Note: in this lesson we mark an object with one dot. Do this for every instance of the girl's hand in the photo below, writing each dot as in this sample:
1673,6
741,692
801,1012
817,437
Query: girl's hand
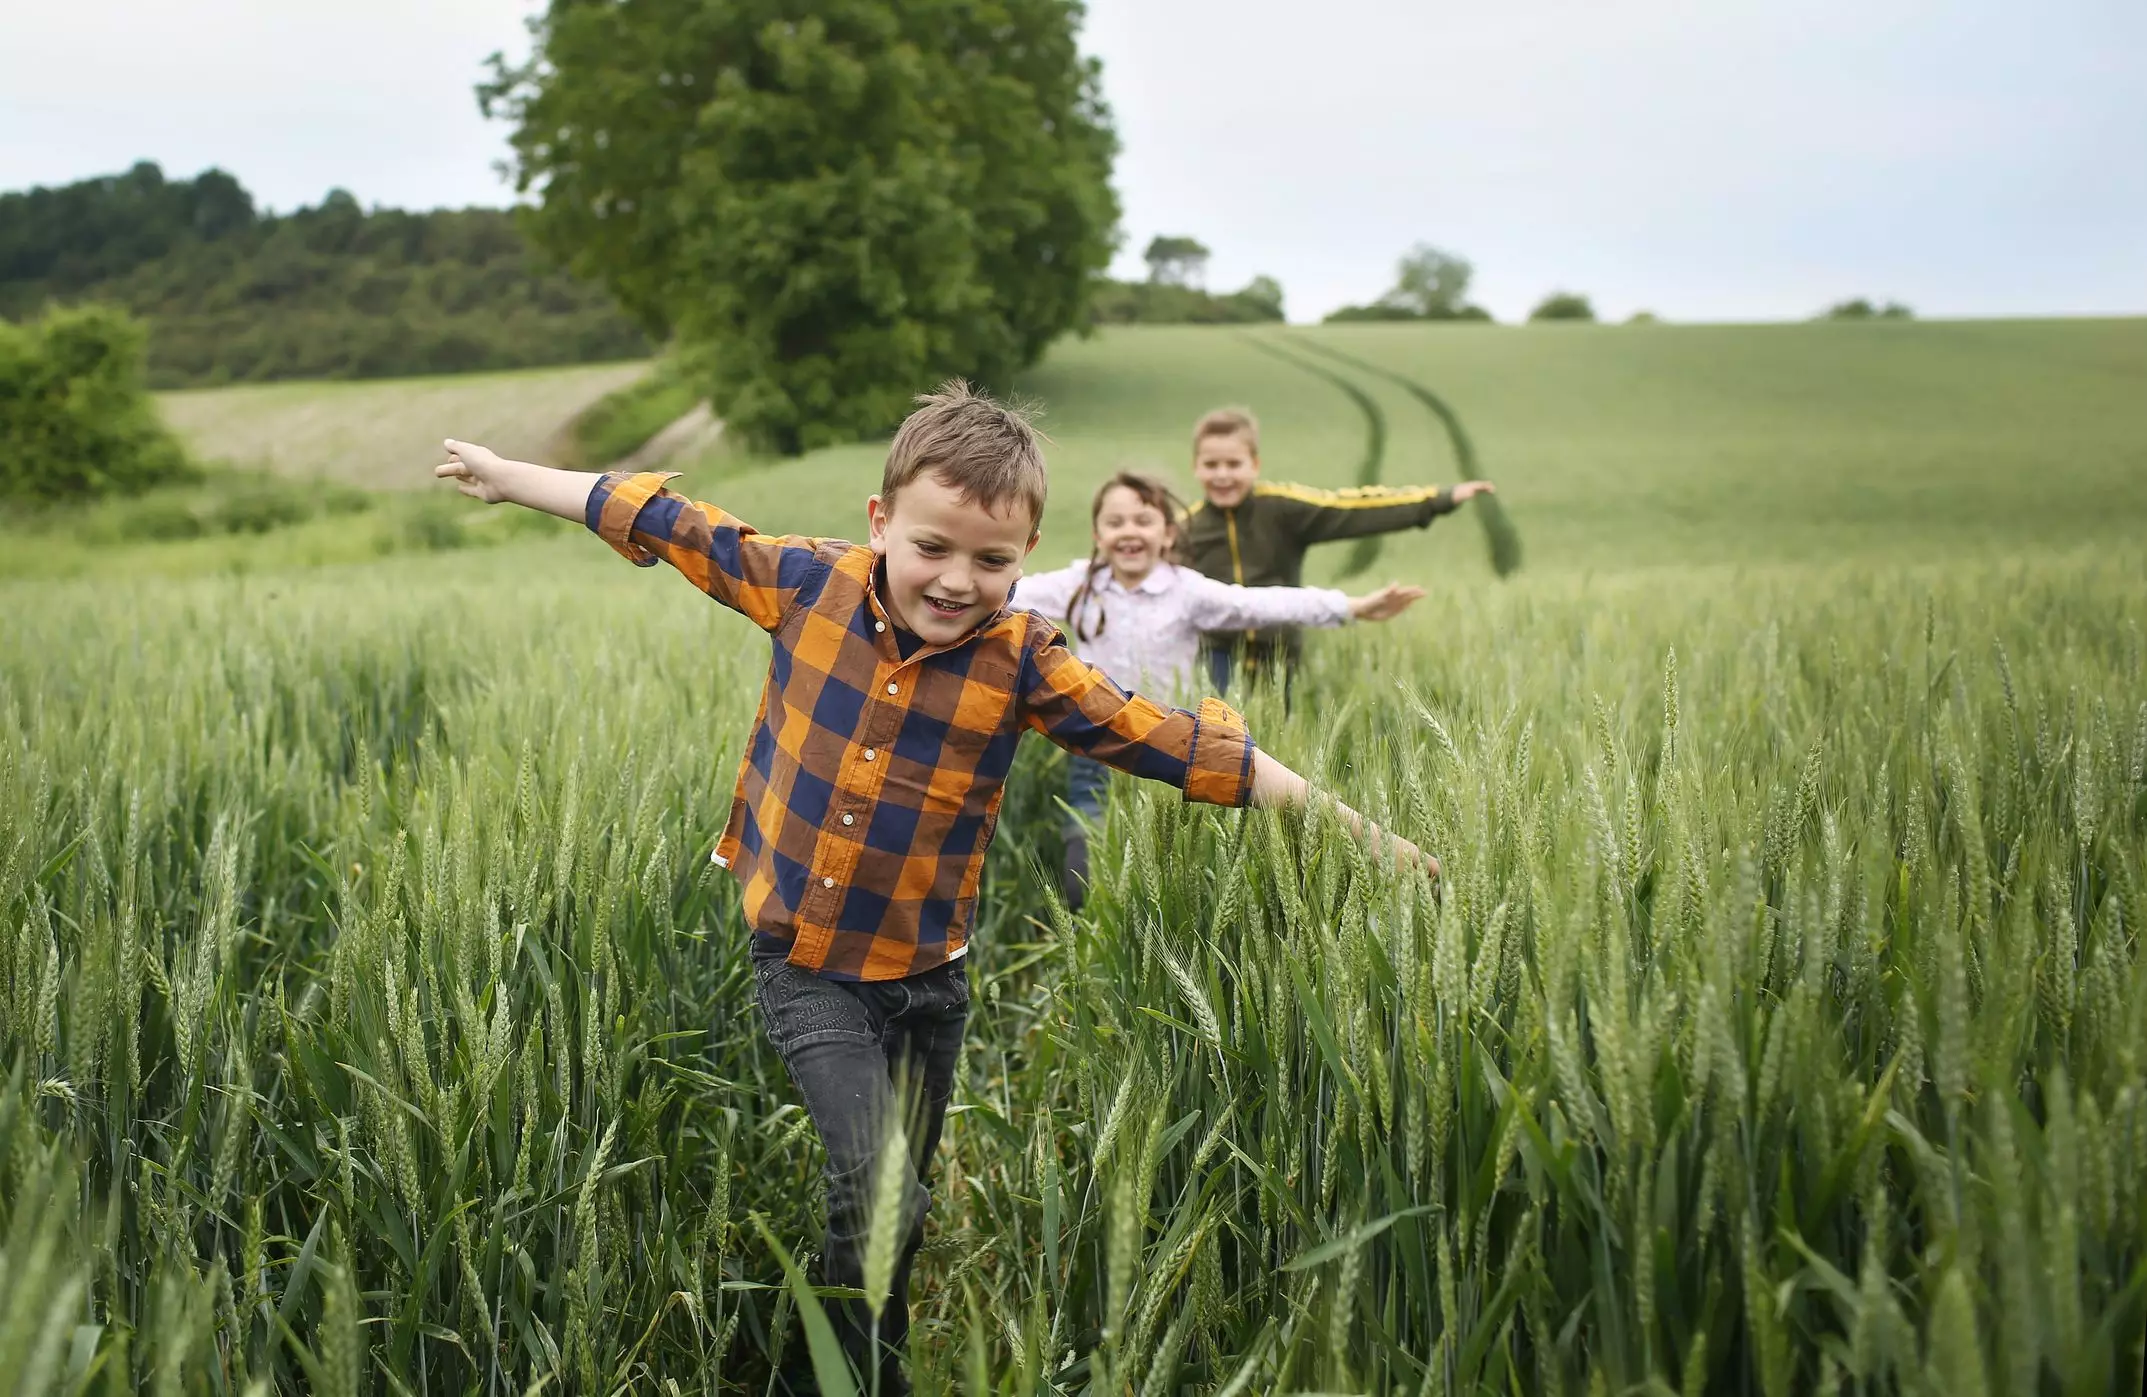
1469,489
478,471
1389,601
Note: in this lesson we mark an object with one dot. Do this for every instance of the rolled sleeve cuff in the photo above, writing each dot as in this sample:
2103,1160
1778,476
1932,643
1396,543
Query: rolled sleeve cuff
615,503
1218,769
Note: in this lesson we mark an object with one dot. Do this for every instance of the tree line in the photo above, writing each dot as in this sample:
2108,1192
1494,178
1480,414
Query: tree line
231,293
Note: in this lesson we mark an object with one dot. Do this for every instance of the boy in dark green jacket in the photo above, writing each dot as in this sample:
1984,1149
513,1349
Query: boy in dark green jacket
1255,533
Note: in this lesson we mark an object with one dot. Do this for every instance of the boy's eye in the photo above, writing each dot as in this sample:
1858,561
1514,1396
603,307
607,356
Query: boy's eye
931,550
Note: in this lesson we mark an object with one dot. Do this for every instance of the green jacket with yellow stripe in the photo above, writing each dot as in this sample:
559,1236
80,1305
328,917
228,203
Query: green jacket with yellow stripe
1261,541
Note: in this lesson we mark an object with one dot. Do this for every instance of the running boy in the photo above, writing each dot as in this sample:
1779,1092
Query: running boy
1255,533
1138,616
899,687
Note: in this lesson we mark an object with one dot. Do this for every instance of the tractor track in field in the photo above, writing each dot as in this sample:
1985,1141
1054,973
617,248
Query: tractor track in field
1499,534
1365,551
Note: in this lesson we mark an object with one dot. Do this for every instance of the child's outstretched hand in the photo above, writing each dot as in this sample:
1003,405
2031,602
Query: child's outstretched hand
1389,601
478,471
1469,489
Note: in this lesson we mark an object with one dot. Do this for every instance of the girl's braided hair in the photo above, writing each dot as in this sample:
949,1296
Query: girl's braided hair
1151,492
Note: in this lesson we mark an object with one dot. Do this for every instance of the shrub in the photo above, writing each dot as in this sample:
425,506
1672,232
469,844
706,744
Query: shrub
75,421
1563,305
161,518
618,423
1166,303
1862,309
257,505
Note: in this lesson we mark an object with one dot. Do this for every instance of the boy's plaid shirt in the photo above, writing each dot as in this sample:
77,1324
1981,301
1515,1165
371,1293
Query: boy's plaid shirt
871,783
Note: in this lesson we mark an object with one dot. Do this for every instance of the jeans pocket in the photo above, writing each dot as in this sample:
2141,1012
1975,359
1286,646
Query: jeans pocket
800,1009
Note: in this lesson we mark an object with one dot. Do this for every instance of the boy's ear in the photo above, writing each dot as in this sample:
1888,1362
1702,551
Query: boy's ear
876,513
1036,536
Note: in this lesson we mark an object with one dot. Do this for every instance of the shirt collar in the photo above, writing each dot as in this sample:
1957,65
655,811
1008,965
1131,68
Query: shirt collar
1160,579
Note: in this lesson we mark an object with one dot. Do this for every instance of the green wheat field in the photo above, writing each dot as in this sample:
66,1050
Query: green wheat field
371,1020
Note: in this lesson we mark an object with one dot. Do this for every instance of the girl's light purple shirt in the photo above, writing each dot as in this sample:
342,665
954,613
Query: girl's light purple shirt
1150,635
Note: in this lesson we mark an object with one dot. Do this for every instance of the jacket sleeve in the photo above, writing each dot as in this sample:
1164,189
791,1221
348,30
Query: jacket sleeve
1206,754
1225,606
752,573
1322,516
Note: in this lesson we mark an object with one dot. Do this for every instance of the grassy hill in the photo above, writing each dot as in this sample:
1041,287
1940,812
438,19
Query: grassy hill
386,432
1621,446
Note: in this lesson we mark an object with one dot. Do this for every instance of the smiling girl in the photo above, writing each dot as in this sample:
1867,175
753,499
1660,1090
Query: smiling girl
1138,616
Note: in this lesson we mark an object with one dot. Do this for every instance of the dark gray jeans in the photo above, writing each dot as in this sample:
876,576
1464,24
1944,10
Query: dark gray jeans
856,1051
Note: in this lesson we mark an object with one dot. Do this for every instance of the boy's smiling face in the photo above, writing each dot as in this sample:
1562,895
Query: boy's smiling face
1225,465
950,562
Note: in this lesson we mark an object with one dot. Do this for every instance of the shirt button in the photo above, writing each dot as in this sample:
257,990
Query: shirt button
870,754
849,819
827,882
879,625
894,688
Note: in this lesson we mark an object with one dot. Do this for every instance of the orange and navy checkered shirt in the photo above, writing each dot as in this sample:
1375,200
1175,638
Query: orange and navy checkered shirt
871,783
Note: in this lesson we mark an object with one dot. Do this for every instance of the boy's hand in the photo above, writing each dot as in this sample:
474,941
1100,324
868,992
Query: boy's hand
1389,601
484,474
1274,784
1404,853
1469,489
478,471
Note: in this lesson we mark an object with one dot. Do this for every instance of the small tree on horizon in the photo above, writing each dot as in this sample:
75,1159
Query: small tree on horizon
1563,305
1176,261
1430,283
1862,309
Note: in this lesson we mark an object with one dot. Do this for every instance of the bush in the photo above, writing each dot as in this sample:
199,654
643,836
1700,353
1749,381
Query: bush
160,519
1563,305
1862,309
259,505
1166,303
617,424
427,524
75,421
1387,310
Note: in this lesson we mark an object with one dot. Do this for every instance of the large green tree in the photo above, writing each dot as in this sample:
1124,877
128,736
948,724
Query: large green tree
830,204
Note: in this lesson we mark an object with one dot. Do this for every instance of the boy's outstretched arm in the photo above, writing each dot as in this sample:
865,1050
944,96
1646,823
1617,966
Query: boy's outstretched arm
1324,516
1274,784
484,474
1207,753
750,572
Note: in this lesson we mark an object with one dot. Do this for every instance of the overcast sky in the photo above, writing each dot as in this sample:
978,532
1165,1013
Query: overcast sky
1707,160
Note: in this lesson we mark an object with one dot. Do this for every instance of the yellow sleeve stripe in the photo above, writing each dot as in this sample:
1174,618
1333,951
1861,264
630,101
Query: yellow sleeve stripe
1355,497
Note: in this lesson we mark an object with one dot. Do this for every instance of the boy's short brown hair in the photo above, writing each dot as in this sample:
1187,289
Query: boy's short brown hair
987,451
1229,422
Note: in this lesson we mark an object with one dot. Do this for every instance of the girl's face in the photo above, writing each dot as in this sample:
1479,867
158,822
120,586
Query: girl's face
1132,534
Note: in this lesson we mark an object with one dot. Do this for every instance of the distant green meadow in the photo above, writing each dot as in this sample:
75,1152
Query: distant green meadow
371,1019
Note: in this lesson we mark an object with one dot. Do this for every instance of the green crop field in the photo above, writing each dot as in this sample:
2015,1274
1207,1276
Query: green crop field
371,1019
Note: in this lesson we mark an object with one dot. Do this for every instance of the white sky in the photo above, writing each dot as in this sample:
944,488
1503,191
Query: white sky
1714,159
